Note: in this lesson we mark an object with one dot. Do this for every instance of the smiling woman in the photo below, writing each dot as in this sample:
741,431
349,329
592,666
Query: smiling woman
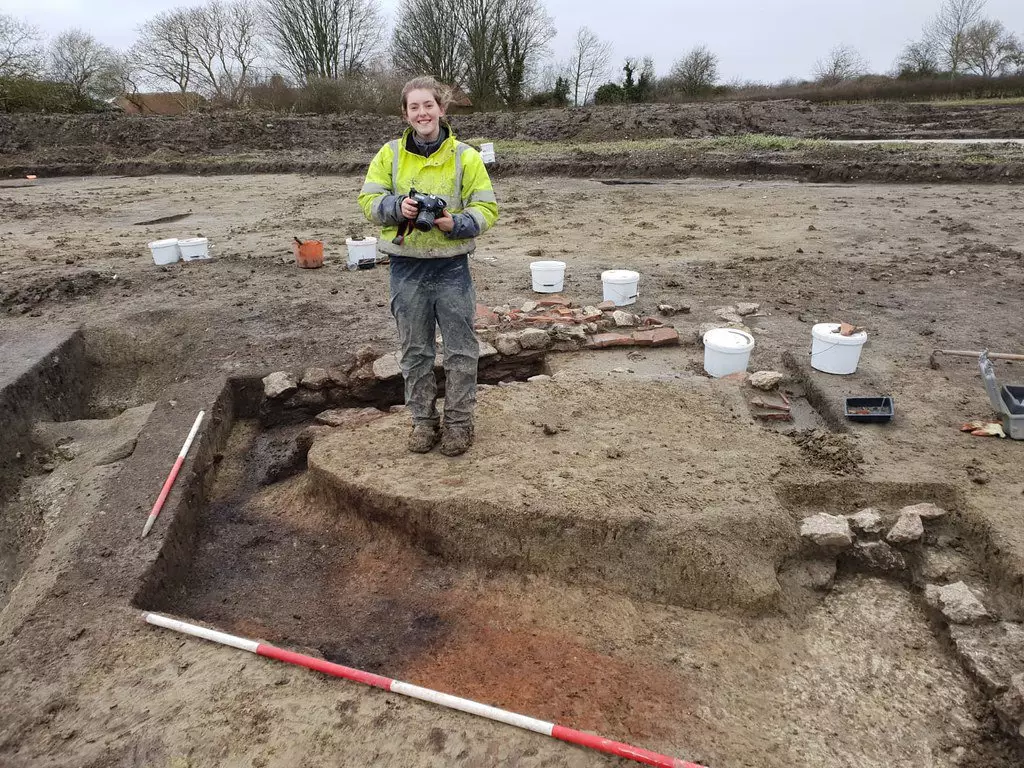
432,196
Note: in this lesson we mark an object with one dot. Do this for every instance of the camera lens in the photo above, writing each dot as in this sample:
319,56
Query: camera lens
425,221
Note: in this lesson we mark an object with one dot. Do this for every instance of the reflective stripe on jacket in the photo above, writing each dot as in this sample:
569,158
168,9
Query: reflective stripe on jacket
454,172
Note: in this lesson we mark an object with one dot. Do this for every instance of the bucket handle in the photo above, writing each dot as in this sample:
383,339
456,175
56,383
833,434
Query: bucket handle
812,353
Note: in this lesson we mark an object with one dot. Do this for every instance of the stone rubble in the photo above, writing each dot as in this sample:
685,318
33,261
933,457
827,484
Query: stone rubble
867,521
766,380
957,603
908,528
827,531
279,385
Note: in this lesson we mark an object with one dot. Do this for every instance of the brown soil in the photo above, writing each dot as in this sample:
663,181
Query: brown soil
52,145
859,676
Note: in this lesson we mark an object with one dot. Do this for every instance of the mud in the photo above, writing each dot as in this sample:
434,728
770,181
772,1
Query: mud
51,145
816,677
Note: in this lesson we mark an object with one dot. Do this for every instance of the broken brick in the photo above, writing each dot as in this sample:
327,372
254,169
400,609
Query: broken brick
644,338
554,301
606,306
664,337
604,340
485,316
657,337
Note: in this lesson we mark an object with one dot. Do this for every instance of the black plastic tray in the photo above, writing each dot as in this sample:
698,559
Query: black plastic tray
869,410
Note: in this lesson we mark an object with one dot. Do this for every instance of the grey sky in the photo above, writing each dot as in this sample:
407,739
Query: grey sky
756,40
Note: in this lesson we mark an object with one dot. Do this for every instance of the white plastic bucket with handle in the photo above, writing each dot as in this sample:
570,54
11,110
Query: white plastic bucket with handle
487,152
548,276
726,350
165,251
194,248
620,286
832,352
361,251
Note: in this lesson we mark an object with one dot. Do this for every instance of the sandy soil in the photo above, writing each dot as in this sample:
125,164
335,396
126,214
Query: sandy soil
920,267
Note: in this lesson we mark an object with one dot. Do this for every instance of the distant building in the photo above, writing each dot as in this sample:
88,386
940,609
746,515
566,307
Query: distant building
159,103
460,101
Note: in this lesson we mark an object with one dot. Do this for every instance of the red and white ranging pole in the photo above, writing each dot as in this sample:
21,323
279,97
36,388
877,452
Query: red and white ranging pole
174,473
570,735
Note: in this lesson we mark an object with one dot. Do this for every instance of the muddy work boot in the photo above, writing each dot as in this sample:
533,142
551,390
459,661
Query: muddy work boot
456,439
423,438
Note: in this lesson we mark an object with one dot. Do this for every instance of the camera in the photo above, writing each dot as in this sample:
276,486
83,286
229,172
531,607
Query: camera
430,207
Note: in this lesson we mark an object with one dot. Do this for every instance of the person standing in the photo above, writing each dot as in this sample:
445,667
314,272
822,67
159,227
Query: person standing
431,283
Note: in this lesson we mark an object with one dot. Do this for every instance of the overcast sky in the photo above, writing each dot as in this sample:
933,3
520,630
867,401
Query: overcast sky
756,40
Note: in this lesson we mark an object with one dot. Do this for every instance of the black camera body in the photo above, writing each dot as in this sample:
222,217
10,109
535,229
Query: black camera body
430,207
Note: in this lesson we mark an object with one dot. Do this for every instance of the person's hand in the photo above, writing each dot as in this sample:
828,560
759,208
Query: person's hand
410,208
445,223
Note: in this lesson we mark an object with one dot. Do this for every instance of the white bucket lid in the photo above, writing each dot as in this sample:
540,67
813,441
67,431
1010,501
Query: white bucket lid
542,265
829,333
728,340
363,241
616,276
164,243
193,241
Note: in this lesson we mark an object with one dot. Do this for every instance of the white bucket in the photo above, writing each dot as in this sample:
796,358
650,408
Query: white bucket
726,350
165,251
548,276
361,251
620,286
487,152
194,248
833,353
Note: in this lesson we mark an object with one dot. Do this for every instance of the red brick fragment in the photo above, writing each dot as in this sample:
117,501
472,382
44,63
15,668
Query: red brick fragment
664,337
643,338
604,340
606,306
485,315
657,337
649,321
554,301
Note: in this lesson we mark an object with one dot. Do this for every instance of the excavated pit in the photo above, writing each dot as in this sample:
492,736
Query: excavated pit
580,585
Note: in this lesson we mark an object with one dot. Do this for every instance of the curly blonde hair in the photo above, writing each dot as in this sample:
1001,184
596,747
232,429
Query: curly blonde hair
442,94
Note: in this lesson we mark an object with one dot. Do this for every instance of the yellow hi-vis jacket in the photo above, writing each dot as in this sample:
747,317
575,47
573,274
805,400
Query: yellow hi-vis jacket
454,172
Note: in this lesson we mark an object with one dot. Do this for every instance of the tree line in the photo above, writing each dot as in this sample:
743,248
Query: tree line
328,55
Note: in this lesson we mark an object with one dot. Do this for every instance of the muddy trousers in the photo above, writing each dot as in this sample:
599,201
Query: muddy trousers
436,292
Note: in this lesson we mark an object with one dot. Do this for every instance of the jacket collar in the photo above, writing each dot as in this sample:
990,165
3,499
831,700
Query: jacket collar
450,141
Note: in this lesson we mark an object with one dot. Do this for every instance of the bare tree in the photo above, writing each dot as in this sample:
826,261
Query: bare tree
87,65
482,26
428,40
490,47
696,72
948,32
164,49
990,49
526,30
20,53
918,59
225,45
588,64
843,62
324,38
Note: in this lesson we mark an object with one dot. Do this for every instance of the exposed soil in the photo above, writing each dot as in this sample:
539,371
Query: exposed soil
288,565
60,145
857,676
